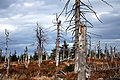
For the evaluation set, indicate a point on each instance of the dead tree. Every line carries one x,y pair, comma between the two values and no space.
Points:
90,55
26,57
115,55
46,54
99,50
8,67
7,35
57,41
106,51
79,29
111,54
41,38
95,52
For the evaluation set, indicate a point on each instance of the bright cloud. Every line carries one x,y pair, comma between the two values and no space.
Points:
100,14
7,26
28,4
16,16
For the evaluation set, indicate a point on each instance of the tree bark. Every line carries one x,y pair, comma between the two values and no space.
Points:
95,52
111,54
77,25
105,51
57,41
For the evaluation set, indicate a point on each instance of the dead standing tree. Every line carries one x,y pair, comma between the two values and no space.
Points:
41,38
99,50
26,57
7,35
57,41
78,18
112,57
95,52
106,51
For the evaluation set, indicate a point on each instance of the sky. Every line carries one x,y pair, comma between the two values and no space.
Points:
19,17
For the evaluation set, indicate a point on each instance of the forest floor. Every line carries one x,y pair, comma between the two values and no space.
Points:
49,71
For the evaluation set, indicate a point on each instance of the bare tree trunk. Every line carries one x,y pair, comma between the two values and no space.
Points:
39,37
111,53
99,50
90,50
77,25
90,55
95,52
57,41
114,52
7,34
63,52
8,66
6,51
26,58
105,51
46,56
42,51
39,55
82,55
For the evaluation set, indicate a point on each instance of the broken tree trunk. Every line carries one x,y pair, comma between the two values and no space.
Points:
82,54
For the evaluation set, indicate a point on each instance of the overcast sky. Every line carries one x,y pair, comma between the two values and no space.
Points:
20,17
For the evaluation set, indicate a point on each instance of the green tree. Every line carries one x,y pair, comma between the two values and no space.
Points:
0,54
14,57
64,50
35,56
52,56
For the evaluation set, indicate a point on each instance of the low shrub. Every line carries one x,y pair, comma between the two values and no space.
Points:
69,68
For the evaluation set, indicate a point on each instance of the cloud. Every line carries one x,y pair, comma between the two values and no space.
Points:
20,17
7,26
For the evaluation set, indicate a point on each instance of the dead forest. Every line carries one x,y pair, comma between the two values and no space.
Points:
82,61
